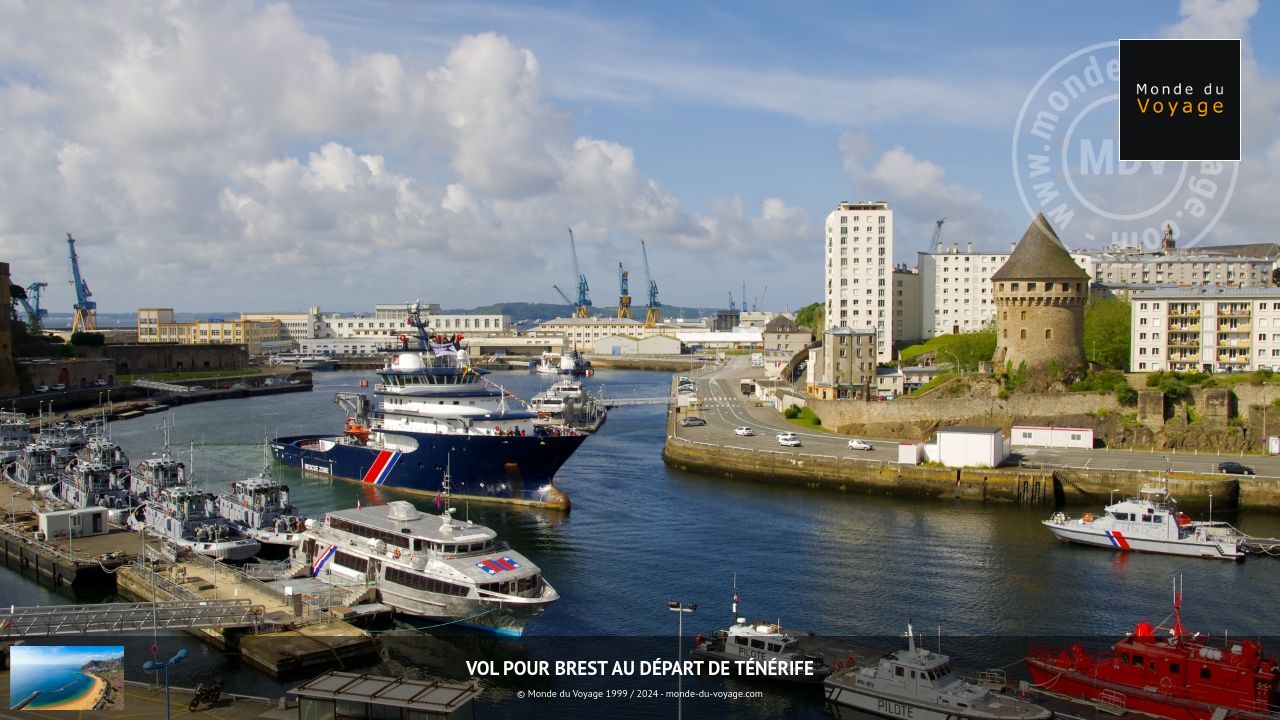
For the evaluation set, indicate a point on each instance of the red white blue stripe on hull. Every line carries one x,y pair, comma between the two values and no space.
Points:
483,466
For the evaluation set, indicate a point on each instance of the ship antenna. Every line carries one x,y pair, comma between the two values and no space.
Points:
1178,630
911,637
446,484
735,594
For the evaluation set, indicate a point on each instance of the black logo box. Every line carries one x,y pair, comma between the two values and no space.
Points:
1160,77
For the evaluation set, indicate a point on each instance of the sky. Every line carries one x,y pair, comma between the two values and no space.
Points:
242,155
29,655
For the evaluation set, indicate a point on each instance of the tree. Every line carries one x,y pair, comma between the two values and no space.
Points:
88,339
1106,331
1275,277
812,316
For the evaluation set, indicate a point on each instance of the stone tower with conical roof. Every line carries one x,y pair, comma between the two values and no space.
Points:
1039,295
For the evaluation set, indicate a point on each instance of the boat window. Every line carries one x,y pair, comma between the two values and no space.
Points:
1146,518
1120,515
740,640
358,564
422,582
1137,660
913,675
897,670
1152,665
1175,668
774,647
1205,672
757,644
1158,519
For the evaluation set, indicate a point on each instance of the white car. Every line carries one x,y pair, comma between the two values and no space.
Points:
860,445
789,441
744,431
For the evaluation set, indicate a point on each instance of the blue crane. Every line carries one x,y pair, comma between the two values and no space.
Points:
35,313
624,294
584,301
567,301
86,316
652,315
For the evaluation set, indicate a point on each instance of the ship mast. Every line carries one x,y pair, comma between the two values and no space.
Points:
1178,630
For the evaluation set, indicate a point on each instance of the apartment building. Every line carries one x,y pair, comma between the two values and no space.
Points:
1210,329
858,272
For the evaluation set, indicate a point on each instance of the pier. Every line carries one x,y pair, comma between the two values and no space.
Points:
126,617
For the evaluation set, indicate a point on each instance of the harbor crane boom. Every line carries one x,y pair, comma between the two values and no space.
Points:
652,314
624,295
567,301
584,300
937,234
31,304
86,316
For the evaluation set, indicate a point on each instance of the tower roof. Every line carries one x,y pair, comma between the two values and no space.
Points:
1040,255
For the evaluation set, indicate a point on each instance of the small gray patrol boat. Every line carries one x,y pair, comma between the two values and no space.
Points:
760,643
920,685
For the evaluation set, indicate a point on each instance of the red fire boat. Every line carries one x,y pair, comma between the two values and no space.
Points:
1166,672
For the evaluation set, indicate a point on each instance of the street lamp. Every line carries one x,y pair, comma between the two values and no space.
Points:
955,357
164,665
680,609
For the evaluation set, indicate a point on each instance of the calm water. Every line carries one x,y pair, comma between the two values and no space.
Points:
56,683
641,535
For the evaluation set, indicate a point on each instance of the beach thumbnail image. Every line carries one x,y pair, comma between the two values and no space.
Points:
66,677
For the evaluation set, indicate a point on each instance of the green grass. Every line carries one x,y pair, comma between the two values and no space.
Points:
935,382
192,375
808,419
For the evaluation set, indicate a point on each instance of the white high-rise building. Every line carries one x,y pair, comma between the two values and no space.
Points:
859,271
955,287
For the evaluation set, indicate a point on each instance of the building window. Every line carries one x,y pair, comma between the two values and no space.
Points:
1024,334
1048,334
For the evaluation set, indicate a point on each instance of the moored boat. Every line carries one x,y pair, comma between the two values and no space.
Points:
1150,522
766,646
1166,672
429,566
260,508
430,404
922,685
180,515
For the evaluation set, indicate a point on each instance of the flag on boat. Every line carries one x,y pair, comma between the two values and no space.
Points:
494,566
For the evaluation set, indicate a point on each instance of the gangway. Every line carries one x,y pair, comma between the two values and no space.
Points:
163,386
126,617
619,402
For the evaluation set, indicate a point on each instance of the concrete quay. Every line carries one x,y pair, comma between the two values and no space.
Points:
1041,477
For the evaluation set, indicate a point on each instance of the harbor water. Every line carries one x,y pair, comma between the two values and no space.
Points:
641,535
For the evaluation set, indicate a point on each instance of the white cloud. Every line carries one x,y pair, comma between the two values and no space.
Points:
919,194
220,156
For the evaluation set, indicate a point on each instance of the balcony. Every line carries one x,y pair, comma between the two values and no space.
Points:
1239,327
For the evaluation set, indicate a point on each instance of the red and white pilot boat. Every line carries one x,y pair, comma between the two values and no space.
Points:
1166,672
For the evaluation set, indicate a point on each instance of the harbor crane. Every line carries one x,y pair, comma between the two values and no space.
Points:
567,301
86,317
584,300
31,304
755,304
732,306
937,234
624,295
652,313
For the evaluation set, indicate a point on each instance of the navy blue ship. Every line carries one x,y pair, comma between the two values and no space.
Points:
432,406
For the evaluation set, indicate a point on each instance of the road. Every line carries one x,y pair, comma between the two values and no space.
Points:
724,407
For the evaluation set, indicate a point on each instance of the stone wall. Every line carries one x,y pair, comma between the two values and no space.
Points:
72,372
918,417
138,359
8,371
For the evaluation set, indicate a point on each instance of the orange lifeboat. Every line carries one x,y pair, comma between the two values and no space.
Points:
356,430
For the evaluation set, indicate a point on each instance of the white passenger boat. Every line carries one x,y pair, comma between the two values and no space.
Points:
1150,522
430,566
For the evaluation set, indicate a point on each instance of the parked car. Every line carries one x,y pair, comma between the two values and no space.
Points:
744,431
1235,468
789,441
693,422
59,387
99,383
42,388
856,444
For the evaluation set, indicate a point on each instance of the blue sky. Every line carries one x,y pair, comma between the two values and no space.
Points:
29,655
251,156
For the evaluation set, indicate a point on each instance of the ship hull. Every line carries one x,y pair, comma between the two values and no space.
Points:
1085,688
483,467
1113,540
843,694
